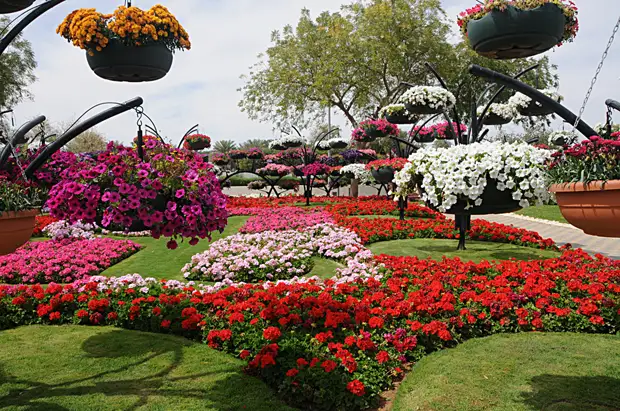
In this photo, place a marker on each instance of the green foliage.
(17, 66)
(16, 197)
(88, 142)
(224, 146)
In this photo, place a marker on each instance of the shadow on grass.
(558, 392)
(37, 395)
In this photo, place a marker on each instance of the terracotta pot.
(594, 208)
(15, 229)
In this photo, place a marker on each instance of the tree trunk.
(354, 190)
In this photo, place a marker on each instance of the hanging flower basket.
(383, 170)
(255, 154)
(518, 29)
(498, 114)
(16, 229)
(338, 143)
(220, 159)
(593, 207)
(291, 141)
(371, 129)
(395, 114)
(427, 100)
(237, 154)
(562, 138)
(197, 142)
(494, 201)
(129, 45)
(384, 175)
(12, 6)
(530, 108)
(423, 134)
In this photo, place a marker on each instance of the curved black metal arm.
(187, 133)
(535, 95)
(79, 129)
(19, 134)
(29, 18)
(612, 104)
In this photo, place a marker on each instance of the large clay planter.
(594, 208)
(16, 229)
(515, 33)
(12, 6)
(117, 62)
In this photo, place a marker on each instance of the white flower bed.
(523, 101)
(507, 111)
(430, 96)
(64, 229)
(462, 173)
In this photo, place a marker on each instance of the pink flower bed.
(284, 218)
(63, 261)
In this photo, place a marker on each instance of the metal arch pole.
(19, 134)
(79, 129)
(612, 104)
(23, 23)
(535, 95)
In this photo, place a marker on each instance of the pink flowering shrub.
(63, 260)
(275, 170)
(284, 218)
(172, 192)
(316, 169)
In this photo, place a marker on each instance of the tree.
(356, 59)
(263, 144)
(17, 66)
(88, 142)
(224, 146)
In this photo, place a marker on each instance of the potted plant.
(479, 178)
(498, 114)
(422, 134)
(586, 181)
(274, 170)
(277, 145)
(237, 154)
(128, 45)
(427, 100)
(356, 170)
(562, 138)
(220, 159)
(383, 170)
(12, 6)
(338, 142)
(323, 145)
(613, 132)
(173, 193)
(197, 142)
(396, 114)
(507, 29)
(19, 204)
(442, 130)
(256, 154)
(370, 130)
(292, 141)
(529, 108)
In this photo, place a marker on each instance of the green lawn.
(518, 372)
(155, 260)
(547, 212)
(101, 368)
(476, 250)
(324, 268)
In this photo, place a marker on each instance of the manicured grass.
(516, 372)
(102, 368)
(476, 250)
(547, 212)
(324, 268)
(157, 261)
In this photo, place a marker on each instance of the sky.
(227, 36)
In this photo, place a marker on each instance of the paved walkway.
(561, 234)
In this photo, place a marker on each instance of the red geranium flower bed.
(40, 222)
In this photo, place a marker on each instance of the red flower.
(329, 365)
(82, 313)
(156, 311)
(165, 324)
(54, 316)
(271, 333)
(376, 322)
(356, 387)
(301, 362)
(244, 354)
(292, 372)
(18, 300)
(112, 316)
(382, 357)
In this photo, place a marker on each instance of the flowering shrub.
(93, 31)
(480, 10)
(437, 98)
(64, 229)
(593, 159)
(197, 142)
(40, 222)
(275, 170)
(64, 260)
(315, 169)
(396, 163)
(171, 192)
(285, 218)
(462, 172)
(334, 345)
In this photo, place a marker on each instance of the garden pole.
(79, 129)
(535, 95)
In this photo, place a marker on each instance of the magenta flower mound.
(284, 218)
(64, 260)
(172, 193)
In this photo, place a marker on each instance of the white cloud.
(226, 37)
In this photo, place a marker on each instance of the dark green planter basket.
(398, 118)
(12, 6)
(118, 62)
(534, 109)
(493, 202)
(384, 175)
(492, 119)
(516, 33)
